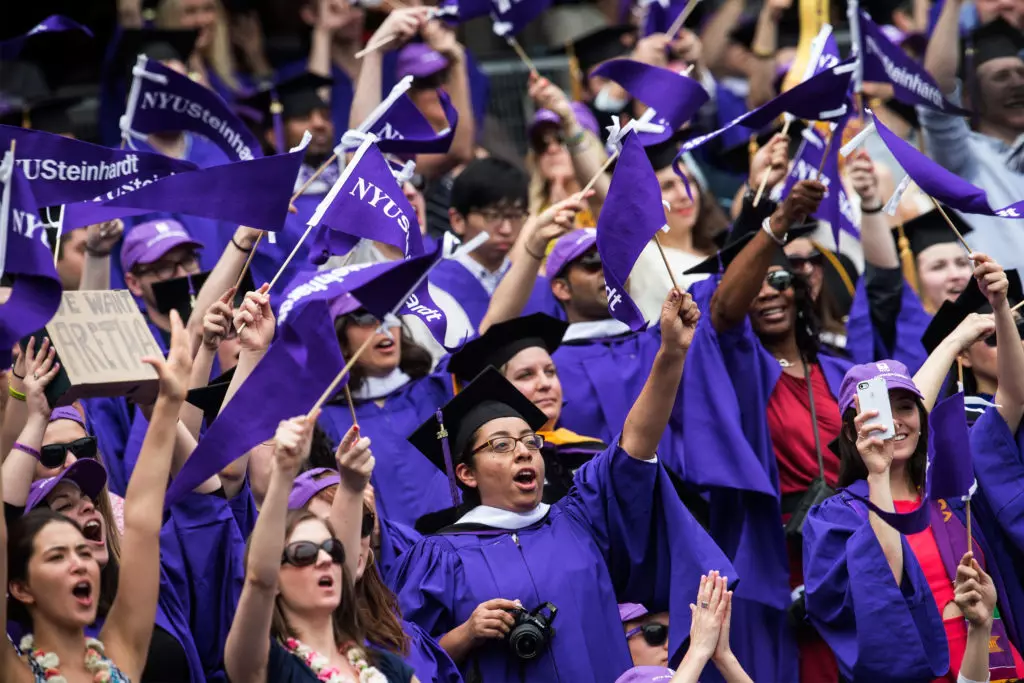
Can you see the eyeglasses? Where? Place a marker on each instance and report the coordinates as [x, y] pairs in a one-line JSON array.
[[802, 264], [779, 280], [590, 262], [507, 444], [366, 319], [655, 634], [991, 339], [493, 218], [165, 270], [369, 520], [53, 455], [304, 553], [541, 143]]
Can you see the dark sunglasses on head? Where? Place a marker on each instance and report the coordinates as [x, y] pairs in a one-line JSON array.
[[991, 339], [655, 634], [801, 263], [363, 319], [542, 142], [369, 519], [53, 455], [779, 280], [590, 262], [304, 553]]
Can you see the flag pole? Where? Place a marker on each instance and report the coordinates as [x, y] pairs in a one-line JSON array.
[[970, 540], [664, 259], [600, 172], [351, 406], [824, 156], [1017, 307], [764, 179], [340, 376], [373, 47], [950, 223], [514, 44], [677, 25], [245, 266]]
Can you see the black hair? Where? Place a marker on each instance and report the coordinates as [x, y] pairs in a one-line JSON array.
[[321, 451], [470, 494], [414, 360], [433, 81], [488, 182], [808, 325], [851, 465]]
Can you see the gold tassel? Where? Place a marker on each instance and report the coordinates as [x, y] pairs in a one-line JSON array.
[[575, 72], [813, 15], [831, 257], [752, 147], [907, 259]]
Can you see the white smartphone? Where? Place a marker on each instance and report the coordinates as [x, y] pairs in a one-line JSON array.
[[874, 395]]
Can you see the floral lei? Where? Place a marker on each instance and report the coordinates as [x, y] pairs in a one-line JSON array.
[[331, 674], [95, 661]]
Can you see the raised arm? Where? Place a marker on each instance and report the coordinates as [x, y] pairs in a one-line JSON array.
[[223, 275], [216, 327], [10, 666], [20, 464], [100, 241], [649, 416], [15, 411], [744, 276], [976, 597], [442, 38], [248, 645], [761, 59], [715, 34], [129, 625], [355, 464], [943, 53], [875, 235], [1010, 358], [877, 456]]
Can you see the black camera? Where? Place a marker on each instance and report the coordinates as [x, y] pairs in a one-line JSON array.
[[532, 631]]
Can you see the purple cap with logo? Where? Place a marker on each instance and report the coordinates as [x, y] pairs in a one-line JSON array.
[[918, 42], [343, 305], [584, 117], [628, 611], [568, 248], [894, 372], [307, 485], [419, 61], [148, 242], [67, 413], [88, 475], [646, 674]]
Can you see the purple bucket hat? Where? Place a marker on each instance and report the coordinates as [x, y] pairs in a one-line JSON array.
[[568, 248], [148, 242], [584, 117], [87, 474], [646, 674], [307, 485], [628, 611], [419, 61], [895, 373]]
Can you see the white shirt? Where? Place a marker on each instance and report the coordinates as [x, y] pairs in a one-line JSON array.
[[486, 278]]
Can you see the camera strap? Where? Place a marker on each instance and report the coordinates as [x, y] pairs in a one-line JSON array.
[[814, 420]]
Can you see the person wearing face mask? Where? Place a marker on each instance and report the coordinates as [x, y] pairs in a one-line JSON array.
[[511, 554], [993, 86]]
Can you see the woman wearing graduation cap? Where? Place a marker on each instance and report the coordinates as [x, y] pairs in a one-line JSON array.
[[492, 586]]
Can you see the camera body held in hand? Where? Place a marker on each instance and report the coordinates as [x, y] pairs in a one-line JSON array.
[[532, 632]]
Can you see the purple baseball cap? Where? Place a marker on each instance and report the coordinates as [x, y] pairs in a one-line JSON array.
[[628, 611], [568, 248], [895, 373], [419, 61], [307, 485], [917, 42], [584, 117], [343, 305], [67, 413], [646, 674], [148, 242], [87, 474]]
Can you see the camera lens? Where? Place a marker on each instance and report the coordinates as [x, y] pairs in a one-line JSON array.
[[526, 641]]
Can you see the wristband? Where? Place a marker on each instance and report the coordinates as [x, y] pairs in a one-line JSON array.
[[766, 225], [240, 248], [15, 394], [25, 449], [21, 377], [527, 250], [865, 211]]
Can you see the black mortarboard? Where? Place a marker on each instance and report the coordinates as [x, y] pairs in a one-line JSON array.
[[488, 397], [504, 340], [158, 44], [931, 228], [971, 300], [993, 40], [601, 45], [52, 115], [210, 398], [736, 159], [720, 261], [179, 294], [298, 96], [663, 154], [788, 27]]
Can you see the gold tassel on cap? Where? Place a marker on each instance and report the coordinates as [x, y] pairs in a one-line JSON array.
[[907, 259], [752, 147], [575, 72]]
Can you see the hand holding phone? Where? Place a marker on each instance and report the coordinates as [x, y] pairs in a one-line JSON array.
[[874, 395]]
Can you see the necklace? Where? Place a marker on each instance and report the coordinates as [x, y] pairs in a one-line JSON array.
[[784, 363], [49, 662], [321, 666]]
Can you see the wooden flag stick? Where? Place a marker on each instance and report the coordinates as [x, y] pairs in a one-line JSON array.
[[970, 541], [373, 47], [340, 376], [950, 223], [323, 167], [677, 25], [824, 156], [664, 258], [351, 406], [1017, 307], [514, 44], [764, 178], [248, 261], [600, 172]]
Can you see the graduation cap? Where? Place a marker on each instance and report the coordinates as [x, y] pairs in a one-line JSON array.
[[971, 300], [159, 44], [298, 96], [736, 159], [180, 293], [931, 228], [719, 262], [598, 46], [488, 397], [993, 40], [52, 115], [504, 340], [210, 398]]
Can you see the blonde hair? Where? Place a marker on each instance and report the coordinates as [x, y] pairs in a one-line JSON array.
[[218, 56]]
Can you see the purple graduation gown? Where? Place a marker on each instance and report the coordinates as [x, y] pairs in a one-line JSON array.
[[427, 658], [406, 484], [621, 535], [865, 344], [395, 539], [727, 450], [879, 631], [999, 467], [462, 285]]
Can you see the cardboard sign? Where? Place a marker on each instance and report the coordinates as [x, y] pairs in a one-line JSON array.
[[100, 338]]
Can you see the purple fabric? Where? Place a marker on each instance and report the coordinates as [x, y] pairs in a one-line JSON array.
[[226, 192], [87, 474], [886, 62], [148, 242], [659, 18], [10, 48], [512, 16], [307, 485], [823, 97], [179, 103], [631, 216], [895, 373], [864, 342], [459, 11], [584, 117], [419, 60], [568, 248], [647, 674], [628, 611], [675, 98], [299, 365], [67, 413], [63, 170], [403, 130], [365, 203]]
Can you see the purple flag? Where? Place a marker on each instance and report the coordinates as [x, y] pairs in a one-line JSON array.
[[366, 202], [459, 11], [820, 98], [675, 98], [36, 291], [402, 129], [632, 214], [162, 100], [886, 62], [63, 170], [9, 49], [300, 364], [511, 16], [660, 16], [934, 180], [256, 193]]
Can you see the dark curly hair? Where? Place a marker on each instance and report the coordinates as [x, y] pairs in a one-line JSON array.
[[808, 325], [414, 360]]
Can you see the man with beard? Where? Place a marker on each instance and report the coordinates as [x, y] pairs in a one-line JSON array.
[[991, 156]]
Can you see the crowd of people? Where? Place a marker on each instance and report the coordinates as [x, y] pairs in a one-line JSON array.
[[542, 492]]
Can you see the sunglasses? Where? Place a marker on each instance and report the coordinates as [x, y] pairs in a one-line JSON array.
[[304, 553], [53, 455], [543, 141], [991, 339], [803, 263], [655, 634], [590, 262], [366, 319], [779, 280], [369, 519]]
